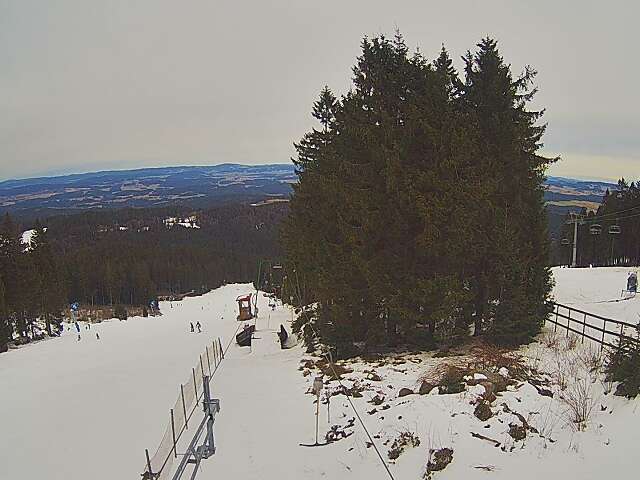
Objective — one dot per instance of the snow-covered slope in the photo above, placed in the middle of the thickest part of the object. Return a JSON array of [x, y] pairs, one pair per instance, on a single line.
[[88, 409], [597, 290]]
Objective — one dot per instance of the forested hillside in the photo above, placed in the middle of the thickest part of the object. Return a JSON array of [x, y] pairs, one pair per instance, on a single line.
[[127, 257], [419, 210], [608, 236]]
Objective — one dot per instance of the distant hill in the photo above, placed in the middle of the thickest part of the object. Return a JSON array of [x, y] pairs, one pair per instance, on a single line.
[[198, 186], [203, 186]]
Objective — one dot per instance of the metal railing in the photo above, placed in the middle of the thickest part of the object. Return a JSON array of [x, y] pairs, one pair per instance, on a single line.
[[158, 466], [608, 332]]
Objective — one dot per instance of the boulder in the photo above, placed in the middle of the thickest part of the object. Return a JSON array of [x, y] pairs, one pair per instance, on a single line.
[[439, 459], [483, 411], [404, 392], [425, 388]]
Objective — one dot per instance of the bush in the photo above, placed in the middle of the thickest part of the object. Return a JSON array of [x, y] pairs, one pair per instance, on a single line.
[[120, 312], [624, 366]]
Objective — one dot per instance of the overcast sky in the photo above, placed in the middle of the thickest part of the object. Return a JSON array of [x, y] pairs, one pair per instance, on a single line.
[[112, 84]]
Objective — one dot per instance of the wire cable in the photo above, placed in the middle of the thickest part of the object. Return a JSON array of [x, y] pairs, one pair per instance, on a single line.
[[344, 389]]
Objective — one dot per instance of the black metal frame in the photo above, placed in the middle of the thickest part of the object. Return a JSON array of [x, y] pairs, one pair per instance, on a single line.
[[568, 326]]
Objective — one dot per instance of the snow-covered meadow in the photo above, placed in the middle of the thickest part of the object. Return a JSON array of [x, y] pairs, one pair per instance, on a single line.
[[87, 409]]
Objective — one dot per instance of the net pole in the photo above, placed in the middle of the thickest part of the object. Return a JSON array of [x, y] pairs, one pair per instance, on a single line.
[[184, 407], [146, 452], [195, 385], [173, 435]]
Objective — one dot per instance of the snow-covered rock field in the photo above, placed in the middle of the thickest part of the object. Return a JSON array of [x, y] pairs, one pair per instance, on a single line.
[[74, 409]]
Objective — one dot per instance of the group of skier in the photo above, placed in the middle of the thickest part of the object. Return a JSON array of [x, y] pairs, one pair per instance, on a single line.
[[87, 327], [198, 326]]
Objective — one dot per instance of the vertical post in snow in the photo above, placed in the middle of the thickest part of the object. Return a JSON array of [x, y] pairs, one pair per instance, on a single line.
[[195, 385], [173, 434], [555, 325], [184, 407], [208, 361], [220, 345], [201, 366], [568, 321], [146, 452], [604, 329], [584, 326], [621, 335]]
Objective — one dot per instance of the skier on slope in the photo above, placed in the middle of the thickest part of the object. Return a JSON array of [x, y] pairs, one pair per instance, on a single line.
[[192, 329], [199, 327]]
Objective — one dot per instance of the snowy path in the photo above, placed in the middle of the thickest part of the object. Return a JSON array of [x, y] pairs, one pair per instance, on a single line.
[[265, 415]]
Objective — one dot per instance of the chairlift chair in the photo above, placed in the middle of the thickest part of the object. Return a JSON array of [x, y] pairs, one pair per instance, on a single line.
[[614, 229], [595, 229], [565, 241]]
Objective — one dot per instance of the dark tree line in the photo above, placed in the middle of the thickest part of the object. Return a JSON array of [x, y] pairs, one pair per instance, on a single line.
[[609, 236], [126, 257], [419, 214]]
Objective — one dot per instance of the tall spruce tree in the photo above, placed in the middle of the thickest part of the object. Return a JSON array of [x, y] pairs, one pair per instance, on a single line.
[[511, 279]]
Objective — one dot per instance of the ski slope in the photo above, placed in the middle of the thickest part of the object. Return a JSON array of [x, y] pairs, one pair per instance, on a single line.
[[597, 290], [87, 409]]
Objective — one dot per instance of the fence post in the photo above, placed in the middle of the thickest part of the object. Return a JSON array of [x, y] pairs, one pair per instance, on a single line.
[[604, 330], [568, 321], [195, 385], [555, 325], [201, 366], [173, 434], [146, 452], [584, 326], [208, 361], [184, 407], [621, 335], [220, 345], [215, 353]]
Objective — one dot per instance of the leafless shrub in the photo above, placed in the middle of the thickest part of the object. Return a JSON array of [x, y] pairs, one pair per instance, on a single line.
[[401, 443], [580, 401], [572, 341], [591, 358], [491, 358], [550, 340]]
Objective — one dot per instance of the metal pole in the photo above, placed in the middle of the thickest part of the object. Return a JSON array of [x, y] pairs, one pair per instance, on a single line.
[[604, 329], [555, 325], [584, 325], [173, 433], [195, 385], [201, 366], [184, 407], [621, 335], [208, 361], [568, 321], [317, 414], [146, 452], [220, 345]]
